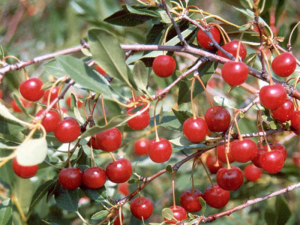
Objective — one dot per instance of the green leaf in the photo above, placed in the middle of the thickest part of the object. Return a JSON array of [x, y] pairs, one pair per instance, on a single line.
[[140, 75], [84, 75], [280, 7], [182, 116], [54, 68], [168, 121], [238, 4], [18, 188], [169, 168], [282, 210], [108, 54], [6, 212], [203, 204], [6, 114], [95, 194], [224, 102], [250, 59], [100, 215], [67, 199], [167, 213], [270, 216]]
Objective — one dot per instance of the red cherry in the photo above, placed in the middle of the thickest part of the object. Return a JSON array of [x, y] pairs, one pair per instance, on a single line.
[[53, 95], [31, 89], [109, 140], [252, 173], [160, 151], [296, 158], [140, 121], [94, 177], [204, 41], [216, 197], [50, 120], [1, 94], [179, 214], [67, 130], [164, 65], [296, 120], [195, 130], [230, 179], [24, 171], [123, 189], [141, 208], [117, 219], [260, 150], [244, 150], [70, 178], [16, 108], [79, 103], [279, 147], [100, 70], [141, 146], [284, 65], [119, 171], [234, 73], [189, 200], [222, 156], [272, 96], [231, 47], [284, 112], [272, 162], [217, 119], [212, 165]]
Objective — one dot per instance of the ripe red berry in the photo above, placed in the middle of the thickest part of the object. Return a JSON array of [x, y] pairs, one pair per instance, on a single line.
[[189, 200], [109, 140], [272, 96], [31, 89], [260, 150], [164, 65], [204, 41], [284, 65], [295, 120], [160, 151], [140, 121], [117, 218], [217, 119], [284, 112], [179, 214], [24, 171], [70, 178], [100, 70], [119, 171], [279, 147], [195, 130], [123, 188], [53, 94], [50, 120], [94, 177], [296, 158], [272, 161], [230, 179], [79, 103], [67, 130], [141, 146], [234, 73], [141, 208], [16, 108], [212, 165], [216, 197], [231, 47], [252, 173], [222, 156], [243, 150]]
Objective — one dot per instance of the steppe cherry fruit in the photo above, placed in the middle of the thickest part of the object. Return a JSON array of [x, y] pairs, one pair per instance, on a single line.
[[24, 171], [260, 150], [205, 42], [160, 151], [216, 197], [234, 73], [164, 65], [195, 130], [31, 89], [252, 173], [230, 179], [141, 146], [272, 161], [279, 147], [232, 47], [217, 119], [243, 150], [50, 120], [16, 108], [284, 112], [222, 154], [94, 177], [140, 121], [100, 70], [119, 171], [141, 208], [284, 65], [70, 178], [109, 140], [189, 200], [123, 188], [117, 218], [179, 213], [67, 130], [272, 96], [53, 94], [295, 120], [212, 164], [79, 103], [296, 158]]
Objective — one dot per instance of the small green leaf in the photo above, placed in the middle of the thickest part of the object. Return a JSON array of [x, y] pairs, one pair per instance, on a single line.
[[100, 215], [182, 116], [169, 168], [140, 75], [6, 212], [54, 68], [67, 199], [95, 194], [282, 210], [5, 113], [203, 204], [224, 102], [167, 213], [250, 59], [133, 181]]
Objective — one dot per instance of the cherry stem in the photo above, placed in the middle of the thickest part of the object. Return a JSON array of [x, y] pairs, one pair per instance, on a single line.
[[237, 127], [264, 133], [112, 156], [92, 155], [289, 45], [103, 109], [173, 189], [238, 49], [154, 119], [192, 102], [207, 172], [206, 92], [69, 156], [192, 176], [269, 68]]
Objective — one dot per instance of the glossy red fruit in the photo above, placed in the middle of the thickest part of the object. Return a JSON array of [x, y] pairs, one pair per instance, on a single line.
[[141, 208], [216, 197], [123, 189], [119, 171], [50, 120], [272, 96], [31, 89], [252, 173], [272, 162], [279, 147], [189, 200], [16, 108], [243, 150], [79, 103], [24, 171], [284, 112], [260, 150], [94, 177], [205, 42], [53, 94], [222, 156], [217, 119], [234, 73], [230, 179], [164, 65], [70, 178], [284, 65], [195, 130], [67, 130], [160, 151], [179, 214], [109, 140], [141, 146], [100, 70], [296, 158], [1, 94], [212, 165], [295, 120], [232, 47], [140, 121], [117, 219]]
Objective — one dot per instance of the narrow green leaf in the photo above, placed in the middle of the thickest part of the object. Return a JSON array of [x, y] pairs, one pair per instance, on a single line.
[[169, 168], [167, 213], [282, 210], [203, 204], [270, 216], [5, 113], [182, 116], [18, 187], [95, 194], [100, 215], [168, 121], [224, 102], [140, 75], [67, 199], [54, 68], [6, 212]]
